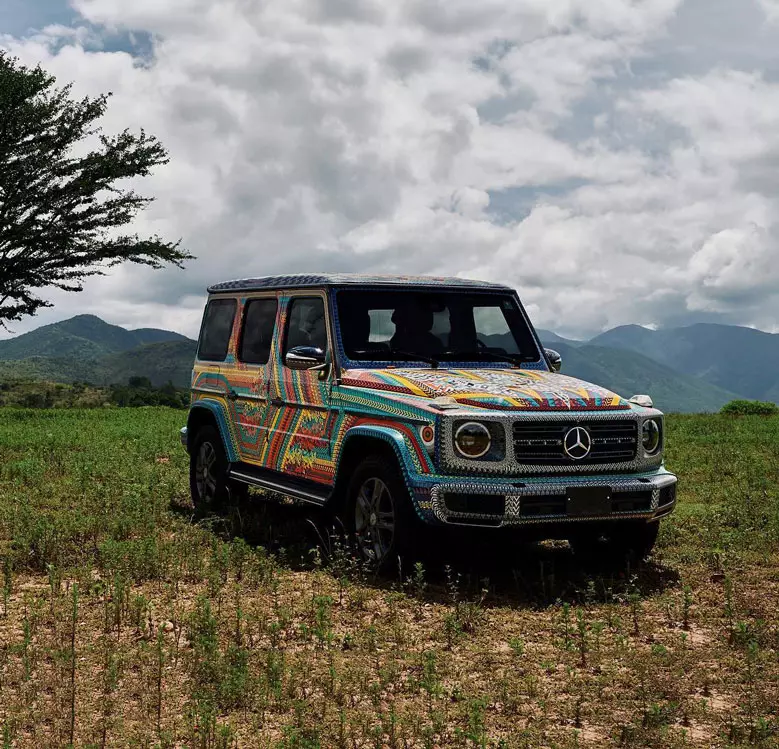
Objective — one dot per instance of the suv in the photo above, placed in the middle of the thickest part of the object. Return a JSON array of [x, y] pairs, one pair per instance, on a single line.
[[403, 402]]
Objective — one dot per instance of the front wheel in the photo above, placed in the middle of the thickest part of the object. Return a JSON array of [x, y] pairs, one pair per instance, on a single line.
[[209, 486], [621, 543], [379, 515]]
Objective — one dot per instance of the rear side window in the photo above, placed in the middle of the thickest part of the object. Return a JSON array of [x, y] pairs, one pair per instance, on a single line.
[[217, 328], [259, 320]]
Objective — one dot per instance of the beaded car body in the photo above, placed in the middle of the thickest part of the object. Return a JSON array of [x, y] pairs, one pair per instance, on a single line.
[[304, 378]]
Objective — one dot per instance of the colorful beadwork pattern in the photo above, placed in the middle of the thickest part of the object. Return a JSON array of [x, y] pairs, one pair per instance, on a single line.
[[502, 389], [298, 423], [324, 280]]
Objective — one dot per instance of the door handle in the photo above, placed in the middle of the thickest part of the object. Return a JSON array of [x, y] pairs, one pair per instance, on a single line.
[[232, 395], [276, 402]]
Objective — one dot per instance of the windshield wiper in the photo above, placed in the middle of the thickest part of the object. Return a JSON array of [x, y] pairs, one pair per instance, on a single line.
[[416, 355], [515, 359]]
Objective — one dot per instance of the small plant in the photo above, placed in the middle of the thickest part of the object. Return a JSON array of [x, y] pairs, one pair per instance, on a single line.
[[160, 653], [452, 630], [730, 608], [55, 583], [25, 649], [565, 621], [686, 606], [582, 642], [517, 645], [9, 733], [430, 680], [418, 585], [476, 731], [7, 582], [73, 623], [110, 682], [634, 600], [659, 715], [206, 665], [235, 683], [323, 620], [467, 614]]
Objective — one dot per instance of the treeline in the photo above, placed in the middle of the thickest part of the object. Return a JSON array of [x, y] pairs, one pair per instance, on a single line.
[[750, 408], [138, 391]]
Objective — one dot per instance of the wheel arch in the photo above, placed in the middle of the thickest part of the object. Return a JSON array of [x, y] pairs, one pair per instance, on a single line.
[[210, 413], [362, 442]]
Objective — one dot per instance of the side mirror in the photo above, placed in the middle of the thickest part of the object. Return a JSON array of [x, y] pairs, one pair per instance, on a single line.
[[305, 357], [554, 359]]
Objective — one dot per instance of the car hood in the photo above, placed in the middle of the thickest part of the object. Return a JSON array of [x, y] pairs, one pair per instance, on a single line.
[[499, 389]]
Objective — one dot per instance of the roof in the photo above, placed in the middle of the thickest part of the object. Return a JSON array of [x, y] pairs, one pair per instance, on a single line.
[[311, 280]]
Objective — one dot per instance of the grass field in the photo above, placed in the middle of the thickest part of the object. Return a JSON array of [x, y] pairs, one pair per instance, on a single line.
[[125, 621]]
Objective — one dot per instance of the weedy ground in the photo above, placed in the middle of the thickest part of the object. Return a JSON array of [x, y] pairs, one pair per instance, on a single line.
[[127, 621]]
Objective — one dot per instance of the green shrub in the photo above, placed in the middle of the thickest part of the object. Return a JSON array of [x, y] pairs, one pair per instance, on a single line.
[[750, 408]]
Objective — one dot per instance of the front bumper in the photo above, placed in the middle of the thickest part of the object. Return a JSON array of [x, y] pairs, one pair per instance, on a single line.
[[547, 501]]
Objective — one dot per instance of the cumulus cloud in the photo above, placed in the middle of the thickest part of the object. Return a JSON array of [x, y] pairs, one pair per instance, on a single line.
[[558, 145], [771, 9]]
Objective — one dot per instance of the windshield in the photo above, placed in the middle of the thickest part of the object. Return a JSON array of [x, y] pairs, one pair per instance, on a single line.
[[434, 326]]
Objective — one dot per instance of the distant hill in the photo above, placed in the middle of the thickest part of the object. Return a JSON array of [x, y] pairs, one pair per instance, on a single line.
[[548, 338], [88, 349], [160, 362], [742, 360], [629, 373], [83, 336], [153, 335]]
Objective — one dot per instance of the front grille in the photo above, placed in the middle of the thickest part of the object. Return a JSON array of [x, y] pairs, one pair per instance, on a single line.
[[541, 442]]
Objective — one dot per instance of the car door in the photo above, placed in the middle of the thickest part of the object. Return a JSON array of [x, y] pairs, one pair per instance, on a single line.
[[209, 374], [250, 377], [300, 419]]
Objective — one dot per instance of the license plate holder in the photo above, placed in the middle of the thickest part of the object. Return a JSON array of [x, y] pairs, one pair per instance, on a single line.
[[583, 501]]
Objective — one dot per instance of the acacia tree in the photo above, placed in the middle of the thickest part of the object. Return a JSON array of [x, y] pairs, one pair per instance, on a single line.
[[63, 210]]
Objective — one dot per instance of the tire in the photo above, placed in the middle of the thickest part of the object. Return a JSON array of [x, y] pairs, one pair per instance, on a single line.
[[208, 483], [379, 516], [620, 544]]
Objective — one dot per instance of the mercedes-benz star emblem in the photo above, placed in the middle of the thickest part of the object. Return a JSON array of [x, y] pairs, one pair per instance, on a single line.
[[577, 443]]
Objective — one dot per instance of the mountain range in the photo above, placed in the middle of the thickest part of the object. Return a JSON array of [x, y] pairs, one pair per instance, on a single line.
[[694, 368], [88, 349]]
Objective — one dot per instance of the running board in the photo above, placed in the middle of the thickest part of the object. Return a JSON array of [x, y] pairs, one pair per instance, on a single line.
[[305, 491]]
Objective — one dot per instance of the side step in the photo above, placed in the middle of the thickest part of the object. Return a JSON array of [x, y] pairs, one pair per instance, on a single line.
[[264, 478]]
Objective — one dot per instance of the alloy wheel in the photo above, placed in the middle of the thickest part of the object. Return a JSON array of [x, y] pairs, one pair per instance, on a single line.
[[205, 478], [374, 519]]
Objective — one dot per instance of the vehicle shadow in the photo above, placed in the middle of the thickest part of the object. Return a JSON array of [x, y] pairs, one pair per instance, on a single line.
[[495, 564]]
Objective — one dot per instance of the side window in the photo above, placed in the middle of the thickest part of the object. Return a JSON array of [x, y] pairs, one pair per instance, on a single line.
[[493, 330], [259, 320], [306, 325], [217, 328]]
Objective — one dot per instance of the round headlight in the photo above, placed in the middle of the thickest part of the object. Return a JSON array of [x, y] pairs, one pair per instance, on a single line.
[[651, 436], [472, 440]]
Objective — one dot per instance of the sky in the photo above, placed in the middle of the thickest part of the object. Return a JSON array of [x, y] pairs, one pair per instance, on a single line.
[[616, 161]]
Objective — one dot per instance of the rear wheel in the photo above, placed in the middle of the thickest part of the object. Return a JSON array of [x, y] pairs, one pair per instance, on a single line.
[[619, 544], [378, 513], [208, 482]]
